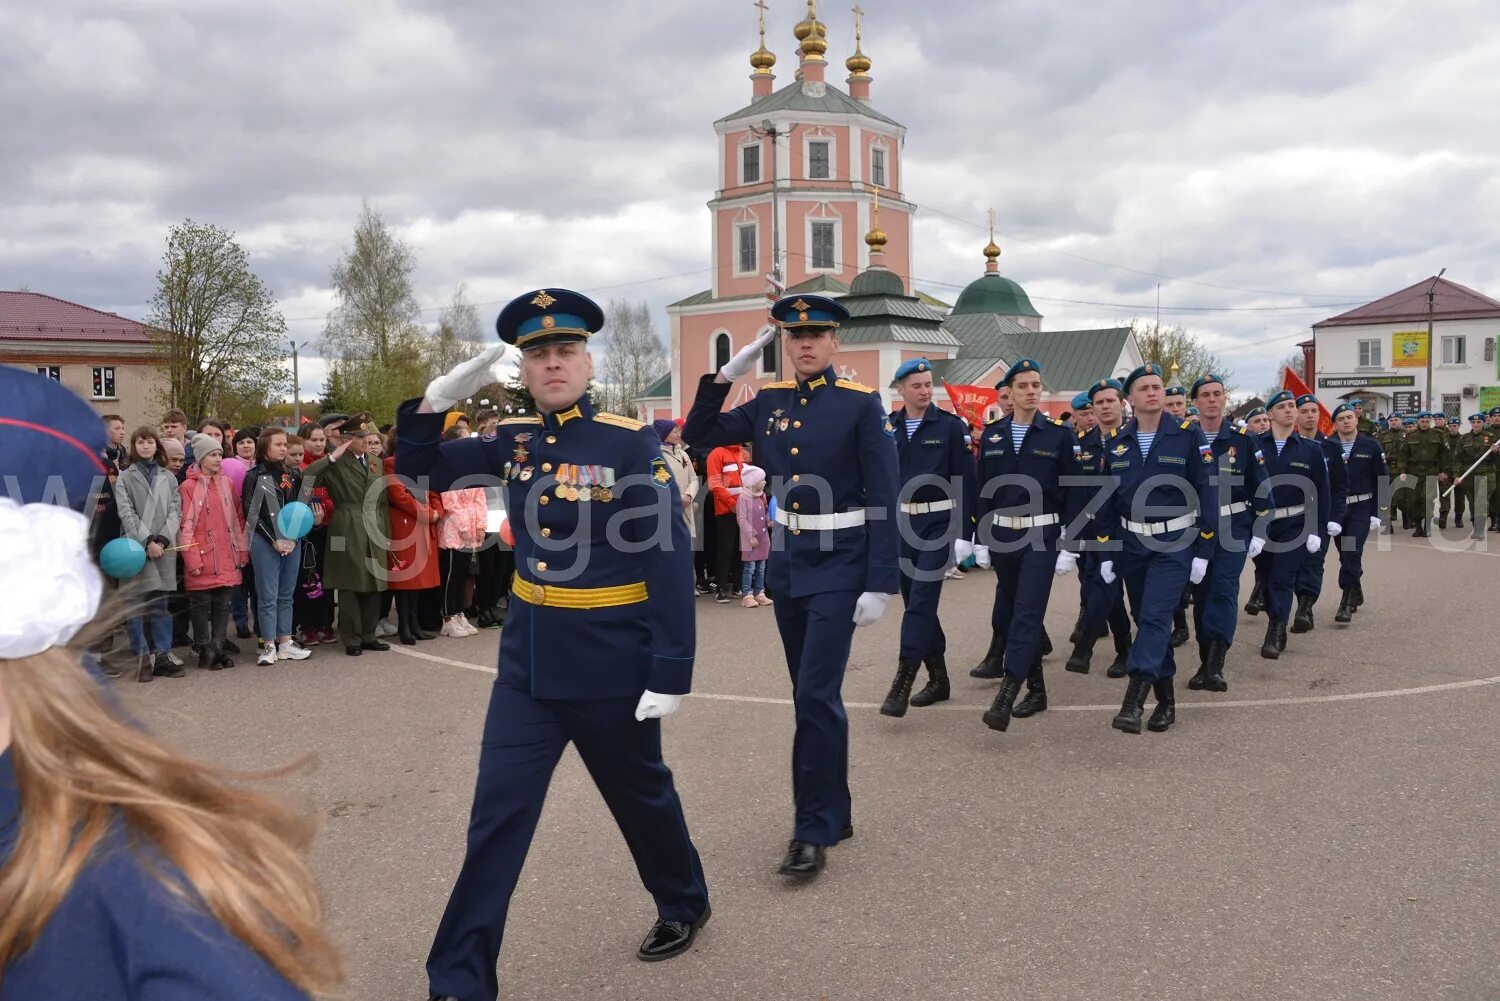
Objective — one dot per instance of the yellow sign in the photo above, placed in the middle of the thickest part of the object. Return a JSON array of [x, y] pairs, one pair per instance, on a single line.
[[1409, 349]]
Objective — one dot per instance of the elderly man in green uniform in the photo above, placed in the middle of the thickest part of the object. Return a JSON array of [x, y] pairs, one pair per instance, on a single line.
[[1425, 458], [1393, 443], [357, 532]]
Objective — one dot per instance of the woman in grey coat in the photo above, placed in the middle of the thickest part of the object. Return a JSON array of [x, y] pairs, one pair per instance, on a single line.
[[150, 510]]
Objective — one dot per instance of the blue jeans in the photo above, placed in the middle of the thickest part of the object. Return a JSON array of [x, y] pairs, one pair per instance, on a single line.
[[155, 613], [753, 576], [275, 586]]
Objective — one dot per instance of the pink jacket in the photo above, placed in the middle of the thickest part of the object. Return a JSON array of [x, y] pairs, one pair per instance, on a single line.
[[212, 530], [465, 514], [755, 533]]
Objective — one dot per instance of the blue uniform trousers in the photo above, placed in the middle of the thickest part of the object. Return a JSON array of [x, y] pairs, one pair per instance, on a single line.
[[924, 557], [1351, 544], [1154, 583], [1023, 585], [523, 739], [1310, 574], [816, 632], [1103, 604], [1216, 601], [1289, 540]]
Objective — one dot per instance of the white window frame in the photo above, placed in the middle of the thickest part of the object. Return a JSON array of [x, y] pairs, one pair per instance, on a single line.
[[818, 136], [106, 375], [754, 269], [878, 149], [1457, 346], [53, 372], [838, 238], [773, 348], [1373, 344], [759, 146], [713, 349]]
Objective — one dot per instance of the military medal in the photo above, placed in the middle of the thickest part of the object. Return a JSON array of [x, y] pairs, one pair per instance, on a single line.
[[605, 493], [562, 481], [525, 474], [521, 455], [508, 468], [585, 477], [572, 483]]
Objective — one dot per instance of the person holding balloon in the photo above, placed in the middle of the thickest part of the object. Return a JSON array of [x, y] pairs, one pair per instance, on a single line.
[[150, 514], [276, 522], [212, 541]]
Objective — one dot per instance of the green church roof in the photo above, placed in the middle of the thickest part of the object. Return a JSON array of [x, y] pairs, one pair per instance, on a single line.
[[996, 294]]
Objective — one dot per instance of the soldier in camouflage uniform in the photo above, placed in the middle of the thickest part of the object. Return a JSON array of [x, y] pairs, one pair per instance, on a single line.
[[1425, 456], [1391, 441], [1470, 447], [1363, 424], [1447, 500]]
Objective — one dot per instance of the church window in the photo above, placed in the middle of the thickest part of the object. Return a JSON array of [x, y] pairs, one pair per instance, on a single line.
[[877, 167], [747, 260], [817, 160], [750, 165], [822, 244], [721, 350]]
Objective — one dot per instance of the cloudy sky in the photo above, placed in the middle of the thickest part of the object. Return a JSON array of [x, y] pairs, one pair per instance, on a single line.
[[1266, 163]]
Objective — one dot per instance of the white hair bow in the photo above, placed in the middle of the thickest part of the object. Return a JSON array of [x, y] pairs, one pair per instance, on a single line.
[[50, 585]]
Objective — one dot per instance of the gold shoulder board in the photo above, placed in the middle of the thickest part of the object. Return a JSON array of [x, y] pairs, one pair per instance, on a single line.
[[520, 420], [629, 424], [788, 384], [850, 384]]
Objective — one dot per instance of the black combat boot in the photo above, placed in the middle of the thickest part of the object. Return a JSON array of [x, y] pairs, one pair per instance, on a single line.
[[1257, 602], [1165, 713], [1215, 682], [1271, 648], [1129, 716], [205, 654], [1197, 681], [1179, 628], [1458, 520], [1359, 595], [1346, 607], [1442, 521], [937, 683], [997, 716], [1046, 642], [1302, 622], [1421, 530], [1122, 650], [1083, 652], [990, 666], [1077, 632], [906, 674], [1036, 694]]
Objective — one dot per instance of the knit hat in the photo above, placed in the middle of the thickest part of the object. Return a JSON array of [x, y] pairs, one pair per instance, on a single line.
[[751, 475], [204, 446], [664, 427], [453, 418], [173, 449]]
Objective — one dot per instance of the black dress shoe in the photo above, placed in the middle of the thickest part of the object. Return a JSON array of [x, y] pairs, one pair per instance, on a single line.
[[353, 651], [847, 832], [374, 645], [670, 938], [803, 860]]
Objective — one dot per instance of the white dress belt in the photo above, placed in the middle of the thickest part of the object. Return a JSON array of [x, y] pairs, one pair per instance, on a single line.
[[1234, 508], [1359, 497], [1288, 512], [1162, 527], [1026, 521], [819, 522], [928, 508]]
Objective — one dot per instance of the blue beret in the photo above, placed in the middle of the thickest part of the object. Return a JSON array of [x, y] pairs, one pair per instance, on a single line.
[[1476, 417], [1305, 399], [808, 311], [1285, 396], [1453, 422], [1204, 380], [1191, 411], [1024, 365], [1104, 384], [50, 443], [1493, 412], [912, 367], [1255, 412], [1343, 408], [1141, 373], [1176, 391], [1082, 402], [548, 316]]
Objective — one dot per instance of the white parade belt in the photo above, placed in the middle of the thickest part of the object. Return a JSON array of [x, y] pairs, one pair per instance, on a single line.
[[1359, 497], [928, 508], [1162, 527], [1234, 508], [1026, 521], [1288, 512], [819, 522]]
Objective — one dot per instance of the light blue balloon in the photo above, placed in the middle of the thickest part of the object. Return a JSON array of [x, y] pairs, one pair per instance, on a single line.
[[122, 558], [771, 509], [295, 520]]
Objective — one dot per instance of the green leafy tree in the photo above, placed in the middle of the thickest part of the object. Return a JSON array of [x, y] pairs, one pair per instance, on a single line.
[[1168, 346]]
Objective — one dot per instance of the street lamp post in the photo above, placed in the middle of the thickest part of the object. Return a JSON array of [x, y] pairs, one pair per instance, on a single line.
[[296, 385], [1431, 289], [768, 130]]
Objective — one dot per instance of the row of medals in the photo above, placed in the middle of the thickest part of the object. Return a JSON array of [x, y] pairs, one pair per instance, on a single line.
[[574, 482]]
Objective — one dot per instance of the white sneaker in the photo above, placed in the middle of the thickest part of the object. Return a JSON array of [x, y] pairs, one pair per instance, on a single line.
[[468, 627], [450, 628], [385, 628], [267, 655], [291, 650]]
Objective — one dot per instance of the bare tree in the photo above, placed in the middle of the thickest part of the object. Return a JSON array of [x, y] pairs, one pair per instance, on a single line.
[[1168, 345], [458, 336], [634, 356]]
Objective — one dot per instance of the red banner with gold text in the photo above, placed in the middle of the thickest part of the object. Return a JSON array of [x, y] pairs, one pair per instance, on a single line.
[[971, 403]]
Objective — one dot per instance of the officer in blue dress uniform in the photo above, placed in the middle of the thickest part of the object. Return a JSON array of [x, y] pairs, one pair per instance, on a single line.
[[1309, 586], [936, 511], [1083, 422], [1240, 468], [827, 445], [1298, 506], [1028, 498], [1257, 423], [1364, 464], [599, 642], [1103, 601], [1163, 467]]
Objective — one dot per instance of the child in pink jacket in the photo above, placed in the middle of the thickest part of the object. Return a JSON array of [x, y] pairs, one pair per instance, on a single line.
[[214, 547], [755, 536]]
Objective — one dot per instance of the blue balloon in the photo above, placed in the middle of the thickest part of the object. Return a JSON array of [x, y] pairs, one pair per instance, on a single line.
[[295, 520], [122, 558], [771, 509]]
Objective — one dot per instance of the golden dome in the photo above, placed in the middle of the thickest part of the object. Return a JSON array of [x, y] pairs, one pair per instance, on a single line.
[[763, 59], [859, 64], [876, 240], [812, 34], [992, 252]]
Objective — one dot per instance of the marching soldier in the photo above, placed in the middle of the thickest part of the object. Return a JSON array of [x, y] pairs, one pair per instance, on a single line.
[[1423, 457], [1471, 447], [1298, 503], [937, 515], [1257, 423], [1446, 498], [1103, 602], [827, 445], [1365, 470], [1164, 471], [1083, 423], [1028, 468], [1309, 585], [604, 646], [1392, 441]]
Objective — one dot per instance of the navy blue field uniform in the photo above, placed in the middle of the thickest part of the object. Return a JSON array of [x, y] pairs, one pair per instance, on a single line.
[[1309, 586], [601, 611], [1172, 486], [1027, 497], [1298, 505], [1366, 470], [1240, 469], [827, 447], [1103, 602]]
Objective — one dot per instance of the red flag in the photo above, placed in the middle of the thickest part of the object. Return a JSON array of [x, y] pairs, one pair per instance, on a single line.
[[970, 403], [1291, 381]]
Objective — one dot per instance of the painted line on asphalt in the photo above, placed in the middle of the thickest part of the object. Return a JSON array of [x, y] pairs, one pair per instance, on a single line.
[[1302, 700]]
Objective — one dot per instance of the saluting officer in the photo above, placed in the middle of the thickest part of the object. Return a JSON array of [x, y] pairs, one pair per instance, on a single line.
[[1364, 463], [1298, 502], [827, 445], [937, 516], [1240, 468], [1163, 468], [1028, 497], [601, 646], [1103, 601], [1309, 586]]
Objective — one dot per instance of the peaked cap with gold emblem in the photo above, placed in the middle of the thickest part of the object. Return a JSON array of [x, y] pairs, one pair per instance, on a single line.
[[548, 316], [808, 311]]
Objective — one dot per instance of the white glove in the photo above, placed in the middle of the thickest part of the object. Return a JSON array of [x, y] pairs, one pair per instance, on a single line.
[[1334, 528], [654, 706], [1256, 545], [982, 557], [1199, 571], [1107, 571], [962, 550], [467, 378], [869, 607], [744, 360], [1374, 523], [1314, 543], [1066, 561]]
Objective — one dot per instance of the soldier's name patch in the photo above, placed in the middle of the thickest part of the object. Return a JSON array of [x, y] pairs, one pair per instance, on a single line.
[[1120, 465], [1044, 453], [1172, 460]]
